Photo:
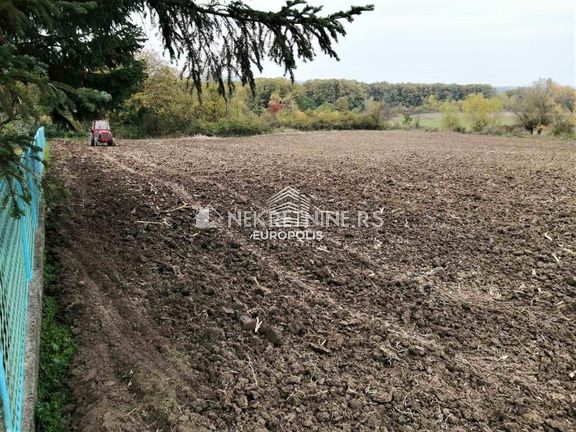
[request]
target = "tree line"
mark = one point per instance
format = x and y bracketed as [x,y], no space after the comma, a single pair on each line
[352,95]
[164,105]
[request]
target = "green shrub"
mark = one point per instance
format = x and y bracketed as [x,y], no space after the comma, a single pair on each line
[481,111]
[451,121]
[294,119]
[56,131]
[451,117]
[238,127]
[563,124]
[56,350]
[56,343]
[129,131]
[407,120]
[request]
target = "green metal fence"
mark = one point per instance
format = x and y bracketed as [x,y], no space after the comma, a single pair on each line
[16,264]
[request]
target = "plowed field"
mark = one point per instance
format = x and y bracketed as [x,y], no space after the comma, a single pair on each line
[458,313]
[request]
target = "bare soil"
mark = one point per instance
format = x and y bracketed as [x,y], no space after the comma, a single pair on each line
[457,314]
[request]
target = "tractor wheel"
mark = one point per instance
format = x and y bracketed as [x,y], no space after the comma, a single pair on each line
[92,143]
[111,143]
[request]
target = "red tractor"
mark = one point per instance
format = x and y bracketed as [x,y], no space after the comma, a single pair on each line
[100,133]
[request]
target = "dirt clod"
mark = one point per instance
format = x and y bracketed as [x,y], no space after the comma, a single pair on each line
[199,405]
[271,334]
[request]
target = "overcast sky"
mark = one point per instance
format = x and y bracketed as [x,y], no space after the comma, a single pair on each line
[500,42]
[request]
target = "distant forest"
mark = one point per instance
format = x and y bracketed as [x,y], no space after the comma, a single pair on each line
[313,94]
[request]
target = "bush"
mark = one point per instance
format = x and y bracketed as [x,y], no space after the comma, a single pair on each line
[342,120]
[451,117]
[237,127]
[534,105]
[322,120]
[56,341]
[407,120]
[493,130]
[481,110]
[563,124]
[56,351]
[56,131]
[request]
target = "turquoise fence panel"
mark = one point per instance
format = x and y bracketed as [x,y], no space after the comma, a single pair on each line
[16,265]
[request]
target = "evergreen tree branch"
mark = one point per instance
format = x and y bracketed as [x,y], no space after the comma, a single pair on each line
[224,41]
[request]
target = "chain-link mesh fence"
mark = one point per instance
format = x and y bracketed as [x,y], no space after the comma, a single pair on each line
[16,263]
